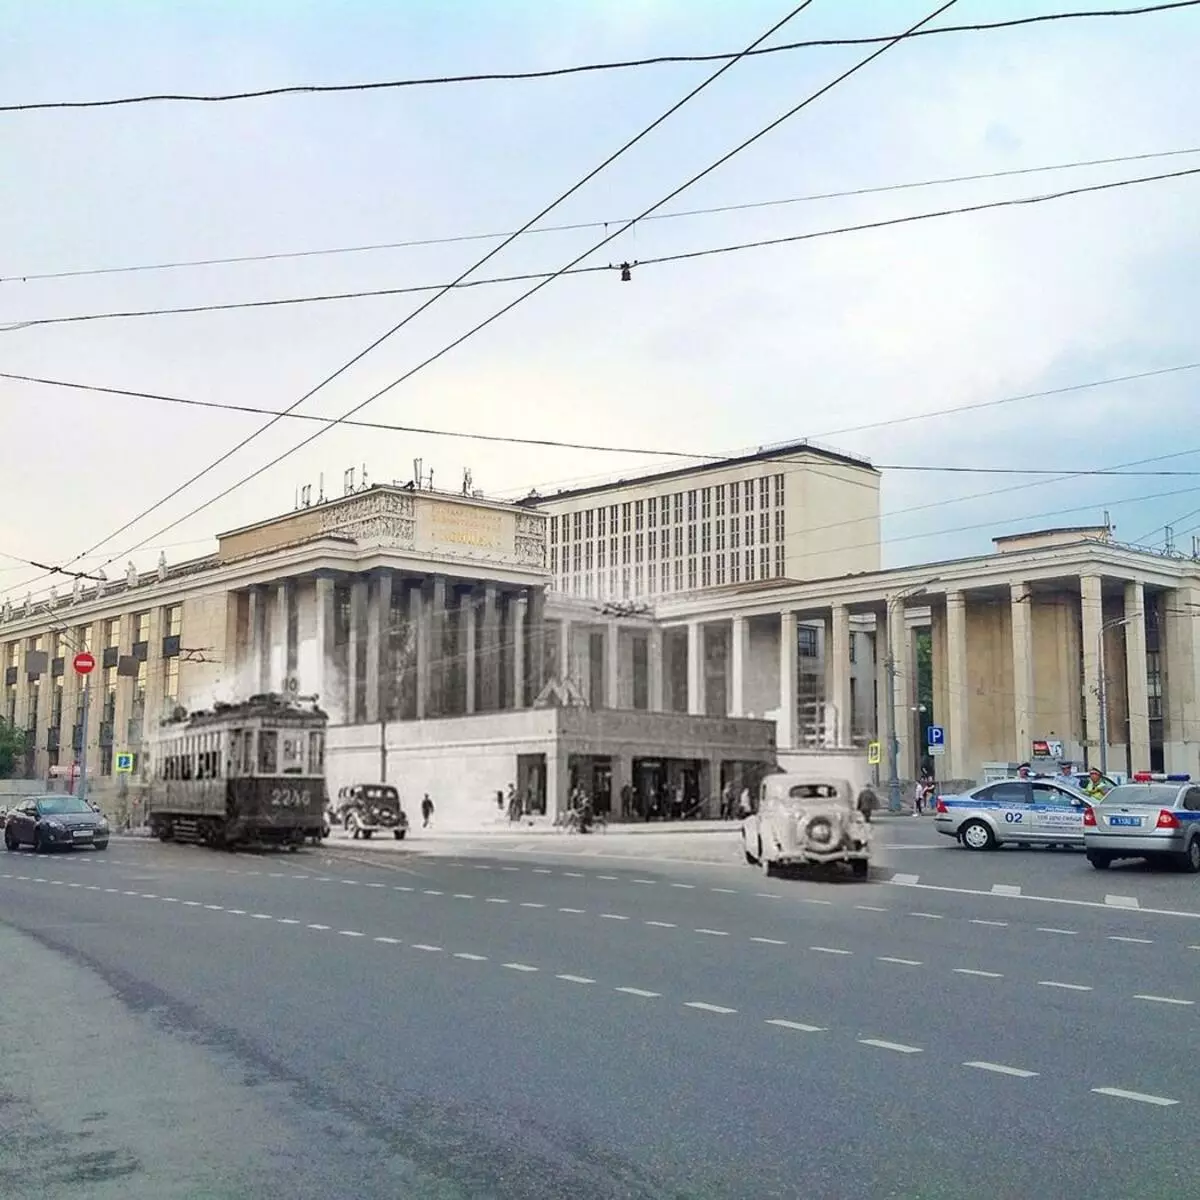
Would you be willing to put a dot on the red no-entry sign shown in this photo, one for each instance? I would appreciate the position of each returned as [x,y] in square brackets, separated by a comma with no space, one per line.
[83,663]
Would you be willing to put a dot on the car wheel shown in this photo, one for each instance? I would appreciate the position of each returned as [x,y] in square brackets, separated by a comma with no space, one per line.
[1189,860]
[765,864]
[367,833]
[352,827]
[977,836]
[1099,860]
[101,845]
[39,846]
[398,834]
[859,868]
[10,841]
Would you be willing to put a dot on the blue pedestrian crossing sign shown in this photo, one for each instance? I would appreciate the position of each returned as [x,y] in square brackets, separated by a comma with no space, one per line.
[937,739]
[124,762]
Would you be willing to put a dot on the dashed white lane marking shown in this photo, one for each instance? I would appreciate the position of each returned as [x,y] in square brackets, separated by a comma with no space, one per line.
[1121,901]
[612,917]
[472,957]
[798,1026]
[388,941]
[374,885]
[686,886]
[110,891]
[643,881]
[575,978]
[607,878]
[1163,999]
[262,917]
[516,966]
[1052,929]
[215,907]
[712,1008]
[237,912]
[432,892]
[350,933]
[495,900]
[188,903]
[1133,940]
[288,921]
[80,885]
[462,896]
[1005,889]
[571,910]
[1070,987]
[870,908]
[767,895]
[1194,947]
[166,899]
[766,941]
[903,962]
[898,1047]
[928,916]
[321,927]
[483,867]
[401,888]
[123,893]
[1001,1069]
[812,900]
[726,891]
[510,868]
[829,950]
[573,874]
[144,895]
[981,974]
[426,946]
[632,991]
[542,871]
[980,921]
[1141,1097]
[531,904]
[713,932]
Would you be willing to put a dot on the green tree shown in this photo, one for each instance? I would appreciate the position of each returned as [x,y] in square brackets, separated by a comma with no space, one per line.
[12,747]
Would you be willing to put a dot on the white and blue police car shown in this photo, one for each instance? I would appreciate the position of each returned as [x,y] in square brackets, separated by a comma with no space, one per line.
[1022,812]
[1156,817]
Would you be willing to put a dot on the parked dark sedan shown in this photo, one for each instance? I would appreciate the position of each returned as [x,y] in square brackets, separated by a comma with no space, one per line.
[47,822]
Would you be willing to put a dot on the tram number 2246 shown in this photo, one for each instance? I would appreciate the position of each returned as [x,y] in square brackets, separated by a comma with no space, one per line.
[282,797]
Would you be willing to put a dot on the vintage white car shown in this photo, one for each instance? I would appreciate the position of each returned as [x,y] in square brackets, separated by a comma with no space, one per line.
[802,820]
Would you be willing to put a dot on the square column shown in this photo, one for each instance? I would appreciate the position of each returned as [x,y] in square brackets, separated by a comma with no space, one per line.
[438,681]
[565,639]
[489,698]
[785,728]
[280,609]
[1136,683]
[260,662]
[518,608]
[356,656]
[537,644]
[378,667]
[612,665]
[418,649]
[326,676]
[739,652]
[695,668]
[901,647]
[466,647]
[957,688]
[1090,619]
[1181,702]
[840,668]
[1021,609]
[654,669]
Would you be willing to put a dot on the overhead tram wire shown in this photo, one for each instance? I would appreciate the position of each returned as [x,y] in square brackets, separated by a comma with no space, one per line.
[606,448]
[586,68]
[547,276]
[813,96]
[715,210]
[443,291]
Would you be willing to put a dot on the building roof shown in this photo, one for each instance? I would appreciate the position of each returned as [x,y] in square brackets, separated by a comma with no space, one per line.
[762,454]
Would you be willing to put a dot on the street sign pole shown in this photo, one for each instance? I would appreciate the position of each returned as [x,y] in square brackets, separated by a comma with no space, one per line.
[83,730]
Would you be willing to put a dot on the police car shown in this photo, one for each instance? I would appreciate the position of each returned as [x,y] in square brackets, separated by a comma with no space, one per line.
[1023,812]
[1155,817]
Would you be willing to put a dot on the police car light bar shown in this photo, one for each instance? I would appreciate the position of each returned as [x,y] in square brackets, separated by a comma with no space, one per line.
[1148,777]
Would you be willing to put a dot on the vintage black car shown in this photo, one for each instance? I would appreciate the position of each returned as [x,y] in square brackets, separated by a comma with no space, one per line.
[54,822]
[365,808]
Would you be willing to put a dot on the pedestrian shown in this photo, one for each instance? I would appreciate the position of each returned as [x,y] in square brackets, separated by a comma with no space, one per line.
[1095,787]
[1024,771]
[426,810]
[500,799]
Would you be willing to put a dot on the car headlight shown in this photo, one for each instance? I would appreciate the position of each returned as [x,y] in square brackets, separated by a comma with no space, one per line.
[103,824]
[55,826]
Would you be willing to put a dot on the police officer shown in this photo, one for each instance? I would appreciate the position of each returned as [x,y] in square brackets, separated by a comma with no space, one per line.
[1095,786]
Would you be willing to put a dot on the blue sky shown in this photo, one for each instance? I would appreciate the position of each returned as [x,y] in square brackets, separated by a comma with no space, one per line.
[709,356]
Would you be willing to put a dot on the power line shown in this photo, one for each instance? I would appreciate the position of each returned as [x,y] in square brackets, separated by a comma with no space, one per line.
[850,193]
[29,562]
[558,72]
[353,411]
[660,260]
[646,131]
[608,448]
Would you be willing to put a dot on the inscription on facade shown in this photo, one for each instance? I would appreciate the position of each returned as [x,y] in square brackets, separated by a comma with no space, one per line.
[458,525]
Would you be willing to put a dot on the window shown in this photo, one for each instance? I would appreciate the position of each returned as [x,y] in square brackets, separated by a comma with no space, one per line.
[1154,684]
[553,559]
[612,520]
[638,547]
[735,533]
[706,571]
[651,545]
[764,492]
[268,751]
[173,620]
[705,537]
[807,643]
[624,548]
[1191,800]
[139,684]
[764,562]
[601,531]
[639,514]
[778,491]
[764,528]
[691,575]
[106,761]
[554,531]
[705,503]
[1047,793]
[57,645]
[678,508]
[749,566]
[853,645]
[678,574]
[625,583]
[576,526]
[720,534]
[141,627]
[778,526]
[600,548]
[748,529]
[691,505]
[316,753]
[652,511]
[779,565]
[612,578]
[589,555]
[720,570]
[664,576]
[612,551]
[35,689]
[589,521]
[112,633]
[748,494]
[720,499]
[295,751]
[691,539]
[678,540]
[625,516]
[170,684]
[575,555]
[637,581]
[109,692]
[1007,791]
[735,568]
[734,499]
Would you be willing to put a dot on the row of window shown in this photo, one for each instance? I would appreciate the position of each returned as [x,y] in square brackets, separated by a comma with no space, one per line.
[241,753]
[635,516]
[681,575]
[63,645]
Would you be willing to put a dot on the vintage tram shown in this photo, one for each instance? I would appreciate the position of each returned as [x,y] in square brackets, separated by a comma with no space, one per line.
[241,774]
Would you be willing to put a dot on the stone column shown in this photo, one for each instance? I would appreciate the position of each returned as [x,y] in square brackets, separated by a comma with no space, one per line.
[233,672]
[466,647]
[1181,681]
[1135,677]
[537,643]
[695,669]
[1091,618]
[324,642]
[654,669]
[612,665]
[957,688]
[739,652]
[279,636]
[785,731]
[1021,609]
[901,646]
[565,657]
[489,699]
[378,668]
[557,777]
[260,679]
[883,728]
[355,683]
[518,609]
[840,651]
[438,688]
[418,622]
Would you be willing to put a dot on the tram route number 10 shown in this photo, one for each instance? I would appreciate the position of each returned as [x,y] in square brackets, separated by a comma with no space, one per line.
[289,797]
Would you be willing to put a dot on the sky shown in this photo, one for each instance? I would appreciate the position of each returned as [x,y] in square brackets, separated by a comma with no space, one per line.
[718,354]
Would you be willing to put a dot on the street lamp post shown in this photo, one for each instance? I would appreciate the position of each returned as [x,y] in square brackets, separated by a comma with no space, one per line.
[895,802]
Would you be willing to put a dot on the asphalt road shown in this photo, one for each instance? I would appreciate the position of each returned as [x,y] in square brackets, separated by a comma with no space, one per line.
[353,1022]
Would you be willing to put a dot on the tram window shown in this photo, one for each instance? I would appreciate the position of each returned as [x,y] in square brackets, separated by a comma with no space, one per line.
[316,753]
[292,762]
[247,752]
[268,752]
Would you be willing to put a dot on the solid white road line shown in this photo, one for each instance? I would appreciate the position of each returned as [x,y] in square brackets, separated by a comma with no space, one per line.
[904,962]
[829,950]
[798,1026]
[1070,987]
[899,1047]
[1163,999]
[712,1008]
[1001,1069]
[1142,1097]
[632,991]
[981,974]
[904,879]
[575,978]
